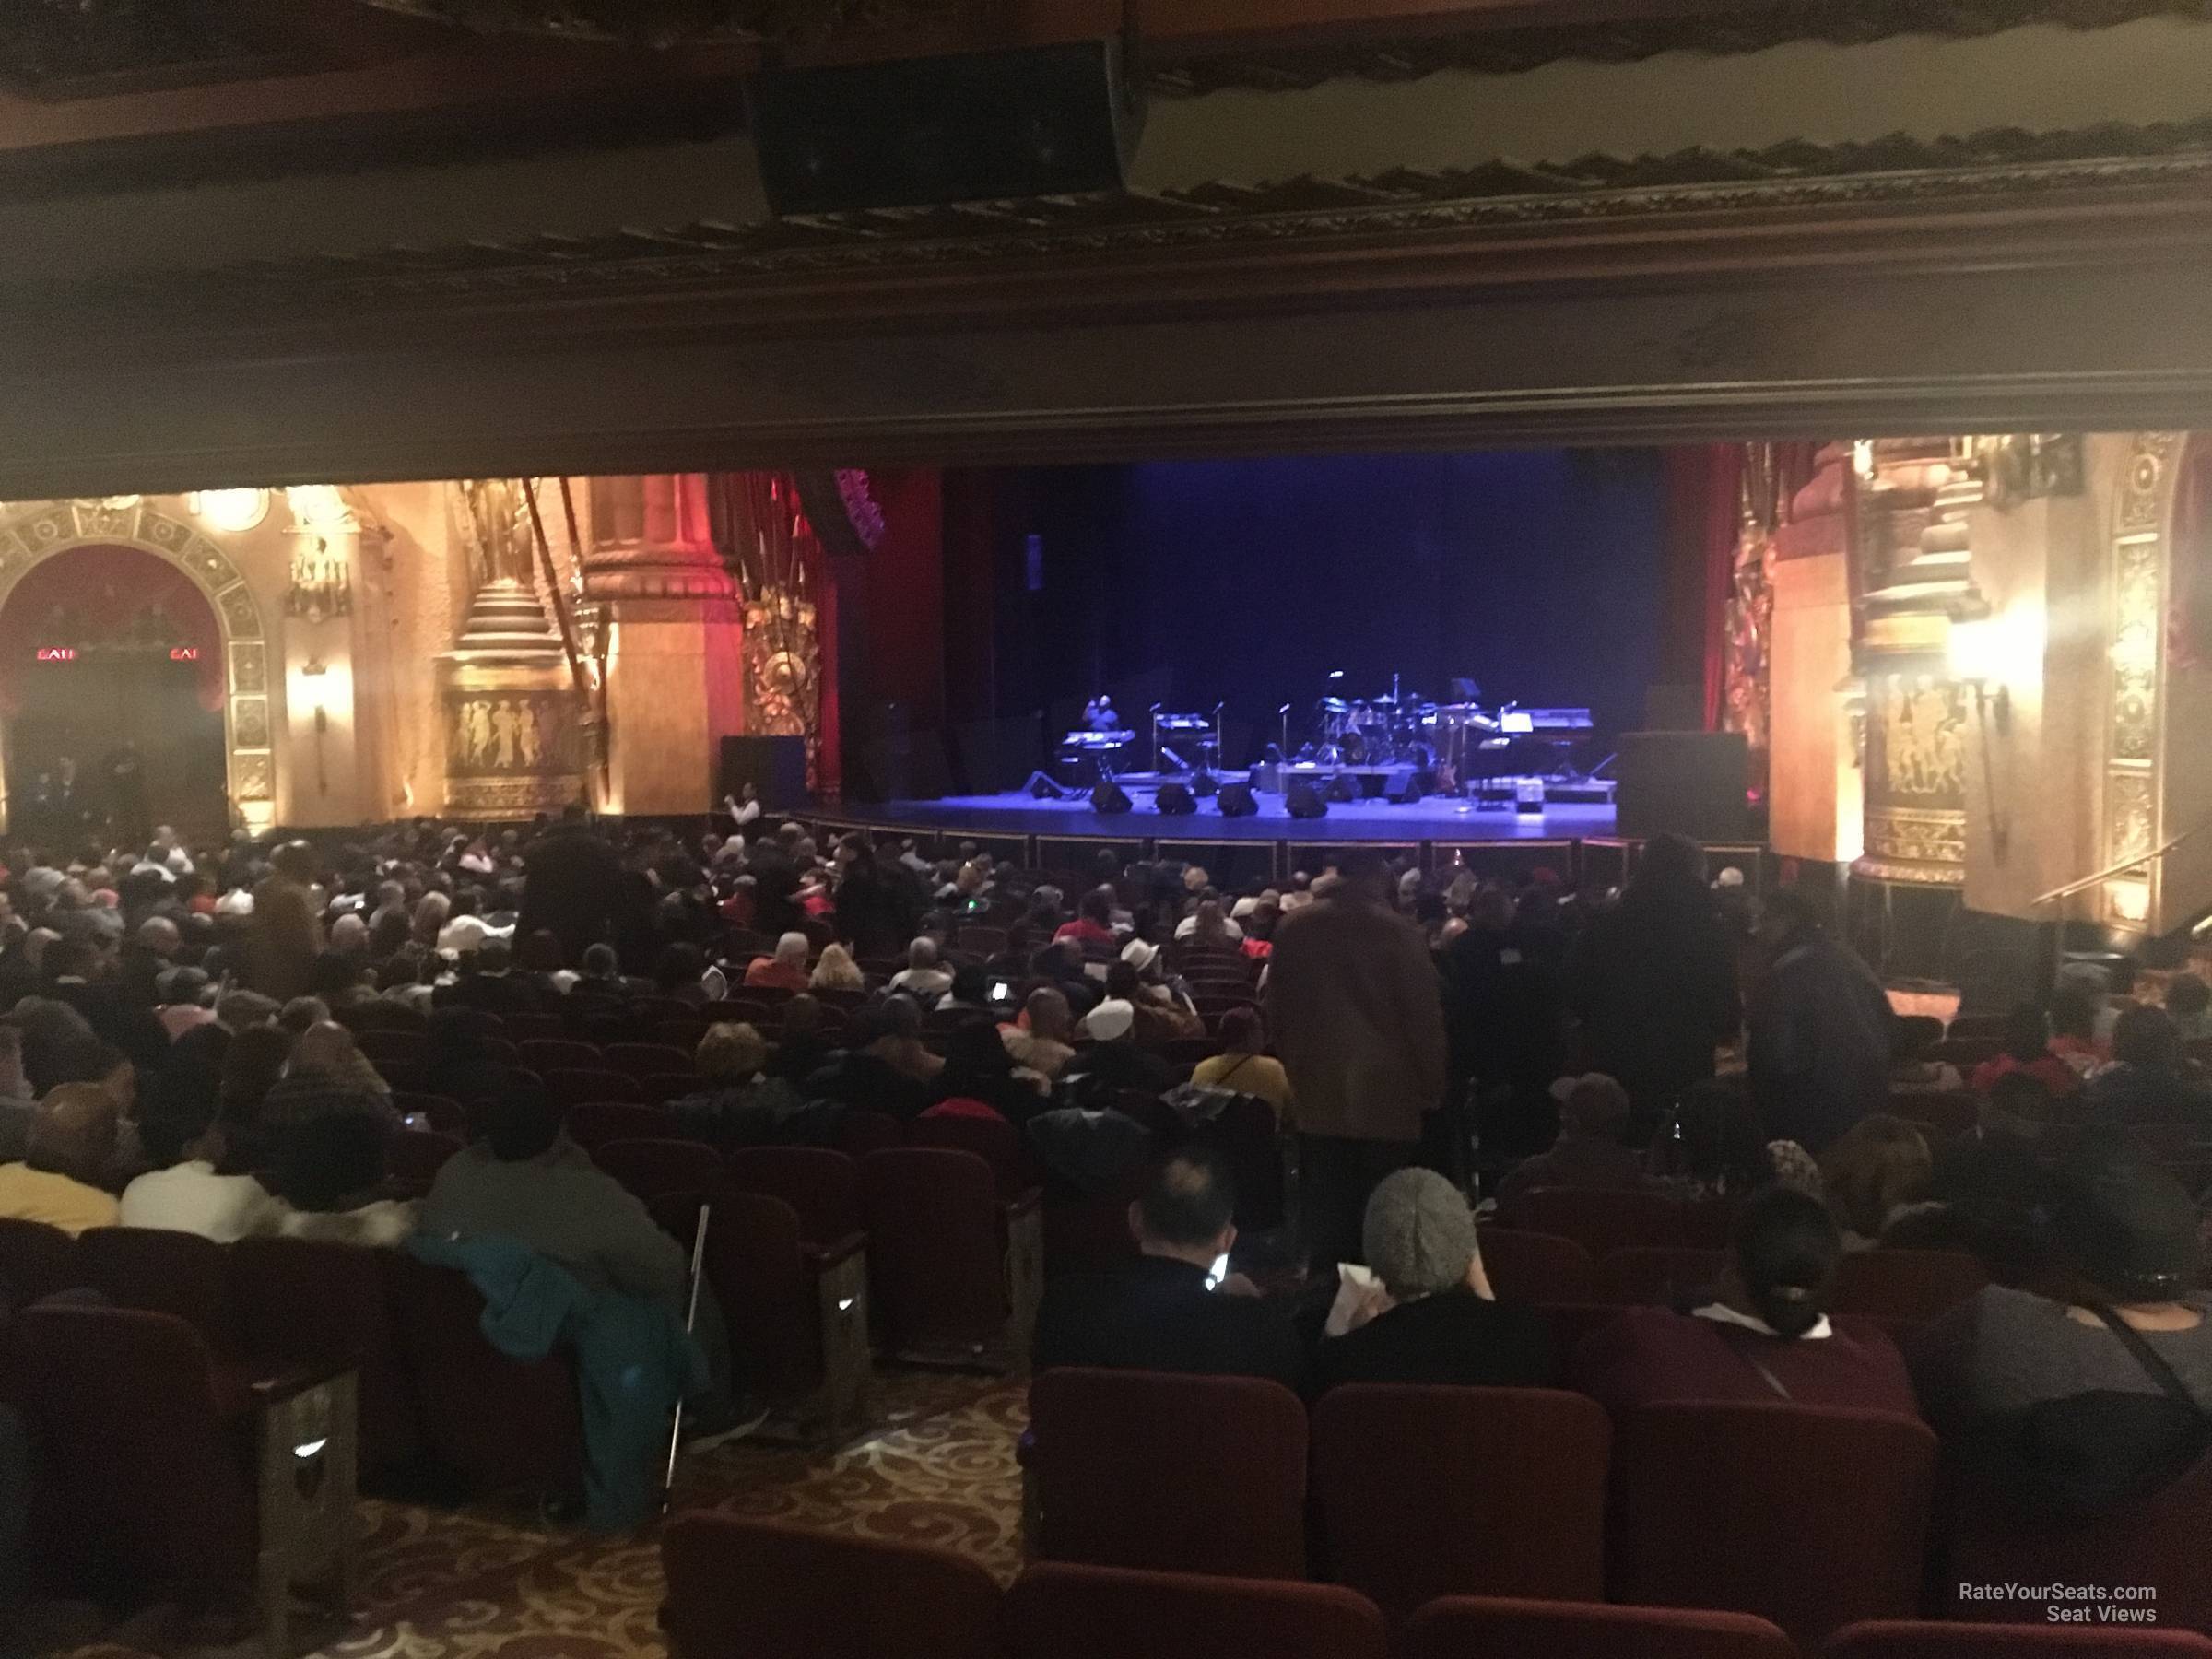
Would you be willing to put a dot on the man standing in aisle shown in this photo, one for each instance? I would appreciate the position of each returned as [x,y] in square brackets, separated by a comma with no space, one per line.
[1353,1000]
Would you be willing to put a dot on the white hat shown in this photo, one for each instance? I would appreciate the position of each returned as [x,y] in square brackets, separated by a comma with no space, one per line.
[1139,954]
[1242,908]
[1111,1020]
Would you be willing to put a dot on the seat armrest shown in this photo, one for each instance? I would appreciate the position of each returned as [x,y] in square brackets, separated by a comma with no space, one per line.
[274,1390]
[1025,1204]
[821,1257]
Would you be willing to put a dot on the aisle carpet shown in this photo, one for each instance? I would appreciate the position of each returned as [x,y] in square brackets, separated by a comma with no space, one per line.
[937,1468]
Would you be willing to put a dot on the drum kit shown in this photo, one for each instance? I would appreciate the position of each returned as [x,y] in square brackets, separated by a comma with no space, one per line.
[1395,728]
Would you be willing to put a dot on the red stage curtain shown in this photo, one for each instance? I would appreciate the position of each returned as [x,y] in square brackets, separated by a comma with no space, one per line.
[93,596]
[1704,487]
[2191,633]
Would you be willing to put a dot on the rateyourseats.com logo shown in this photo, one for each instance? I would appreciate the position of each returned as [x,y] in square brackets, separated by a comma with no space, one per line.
[2073,1604]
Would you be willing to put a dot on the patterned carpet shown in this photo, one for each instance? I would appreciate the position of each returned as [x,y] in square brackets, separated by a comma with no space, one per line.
[938,1468]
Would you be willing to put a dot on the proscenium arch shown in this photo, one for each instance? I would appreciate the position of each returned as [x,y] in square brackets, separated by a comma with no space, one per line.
[30,539]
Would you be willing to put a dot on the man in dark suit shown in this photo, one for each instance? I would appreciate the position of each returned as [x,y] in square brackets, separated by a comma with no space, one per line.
[572,879]
[1158,1314]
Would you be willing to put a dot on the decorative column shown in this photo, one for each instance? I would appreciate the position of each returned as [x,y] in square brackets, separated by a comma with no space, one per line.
[1815,806]
[513,720]
[321,770]
[674,633]
[1911,582]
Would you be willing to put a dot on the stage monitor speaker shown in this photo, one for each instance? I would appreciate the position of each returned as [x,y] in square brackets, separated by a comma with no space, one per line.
[1174,800]
[1237,800]
[1683,783]
[1107,797]
[1341,788]
[1205,783]
[1038,121]
[774,765]
[1043,789]
[1301,800]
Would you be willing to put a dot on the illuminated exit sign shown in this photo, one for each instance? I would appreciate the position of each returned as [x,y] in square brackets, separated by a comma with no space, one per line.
[57,654]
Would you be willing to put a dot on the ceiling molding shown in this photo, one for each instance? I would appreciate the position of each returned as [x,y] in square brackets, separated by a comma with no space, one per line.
[1723,31]
[1998,170]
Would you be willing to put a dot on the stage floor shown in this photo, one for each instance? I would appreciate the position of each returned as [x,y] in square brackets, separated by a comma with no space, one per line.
[1382,823]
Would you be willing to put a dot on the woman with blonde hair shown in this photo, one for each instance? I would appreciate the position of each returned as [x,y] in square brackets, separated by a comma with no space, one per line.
[836,971]
[1879,1167]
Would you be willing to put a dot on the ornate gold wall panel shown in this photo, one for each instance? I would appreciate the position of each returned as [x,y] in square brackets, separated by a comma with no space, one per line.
[57,527]
[2131,820]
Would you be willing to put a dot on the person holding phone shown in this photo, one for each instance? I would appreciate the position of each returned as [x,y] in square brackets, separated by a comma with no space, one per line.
[1174,1308]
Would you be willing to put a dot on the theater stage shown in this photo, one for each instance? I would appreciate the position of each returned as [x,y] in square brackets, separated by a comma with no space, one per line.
[1378,822]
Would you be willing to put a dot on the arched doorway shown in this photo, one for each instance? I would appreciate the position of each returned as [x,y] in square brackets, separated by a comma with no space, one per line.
[105,649]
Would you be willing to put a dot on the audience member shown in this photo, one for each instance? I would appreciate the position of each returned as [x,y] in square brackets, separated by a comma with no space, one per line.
[183,1141]
[2146,1082]
[1502,1007]
[1820,1027]
[1245,1067]
[736,1105]
[2027,1051]
[1354,1003]
[1433,1318]
[835,970]
[1040,1040]
[922,976]
[785,970]
[72,1141]
[2075,1009]
[2189,1005]
[1163,1313]
[2023,1385]
[1872,1174]
[286,929]
[1654,981]
[1590,1153]
[1764,1334]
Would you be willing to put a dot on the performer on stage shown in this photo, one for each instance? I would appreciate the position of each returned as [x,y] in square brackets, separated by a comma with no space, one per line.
[1099,714]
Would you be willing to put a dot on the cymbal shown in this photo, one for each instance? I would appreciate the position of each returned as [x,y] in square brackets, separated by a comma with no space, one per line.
[1387,701]
[1333,705]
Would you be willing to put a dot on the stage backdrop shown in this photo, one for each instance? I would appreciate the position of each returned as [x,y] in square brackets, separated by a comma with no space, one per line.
[1538,574]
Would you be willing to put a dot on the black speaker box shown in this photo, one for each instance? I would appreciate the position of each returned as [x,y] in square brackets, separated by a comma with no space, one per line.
[1683,783]
[1205,783]
[774,765]
[1108,797]
[1175,800]
[1301,800]
[1238,801]
[968,126]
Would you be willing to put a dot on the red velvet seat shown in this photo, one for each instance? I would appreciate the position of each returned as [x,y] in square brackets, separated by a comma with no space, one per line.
[653,1168]
[1470,1627]
[498,1423]
[991,1138]
[314,1305]
[1063,1611]
[562,1054]
[771,1592]
[823,1186]
[860,1132]
[803,1309]
[35,1260]
[954,1268]
[1571,1322]
[385,1044]
[157,1270]
[1601,1222]
[664,1088]
[648,1059]
[1539,1268]
[1906,1287]
[417,1155]
[1907,1639]
[157,1484]
[1089,1232]
[1809,1517]
[1461,1491]
[2164,1541]
[1183,1473]
[143,1491]
[574,1088]
[595,1122]
[1658,1275]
